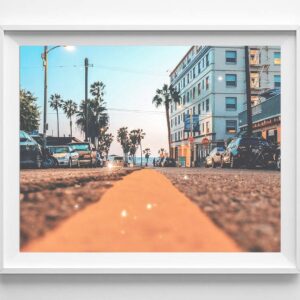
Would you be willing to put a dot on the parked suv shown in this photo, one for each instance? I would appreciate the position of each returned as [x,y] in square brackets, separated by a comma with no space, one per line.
[65,155]
[30,151]
[214,157]
[87,153]
[248,151]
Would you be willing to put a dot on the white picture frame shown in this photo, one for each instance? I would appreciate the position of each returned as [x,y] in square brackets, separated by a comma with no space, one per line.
[12,261]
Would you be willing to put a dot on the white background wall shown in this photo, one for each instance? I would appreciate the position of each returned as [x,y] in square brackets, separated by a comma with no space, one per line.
[219,287]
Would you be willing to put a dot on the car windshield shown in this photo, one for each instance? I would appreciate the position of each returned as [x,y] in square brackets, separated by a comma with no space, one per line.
[59,149]
[81,147]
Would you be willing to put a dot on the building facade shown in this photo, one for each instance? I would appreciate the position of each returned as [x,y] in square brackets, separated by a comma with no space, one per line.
[212,85]
[266,117]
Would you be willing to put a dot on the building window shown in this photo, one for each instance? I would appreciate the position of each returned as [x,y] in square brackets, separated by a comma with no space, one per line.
[199,109]
[188,78]
[178,120]
[187,97]
[230,103]
[254,80]
[194,92]
[203,106]
[194,72]
[183,82]
[199,88]
[175,121]
[230,56]
[171,123]
[207,104]
[277,81]
[231,126]
[203,127]
[230,80]
[199,68]
[254,58]
[207,127]
[183,100]
[207,83]
[207,60]
[194,110]
[277,58]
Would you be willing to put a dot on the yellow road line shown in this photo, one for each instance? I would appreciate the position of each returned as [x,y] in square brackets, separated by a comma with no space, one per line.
[143,212]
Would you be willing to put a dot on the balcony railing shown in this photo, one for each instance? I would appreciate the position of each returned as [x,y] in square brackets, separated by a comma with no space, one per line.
[262,111]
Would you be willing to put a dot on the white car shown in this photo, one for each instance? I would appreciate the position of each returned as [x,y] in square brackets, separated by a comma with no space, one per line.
[65,155]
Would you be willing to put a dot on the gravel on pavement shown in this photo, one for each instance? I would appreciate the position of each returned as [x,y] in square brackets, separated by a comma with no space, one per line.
[50,195]
[244,203]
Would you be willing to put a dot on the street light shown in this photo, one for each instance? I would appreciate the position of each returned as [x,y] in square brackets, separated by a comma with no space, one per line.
[45,65]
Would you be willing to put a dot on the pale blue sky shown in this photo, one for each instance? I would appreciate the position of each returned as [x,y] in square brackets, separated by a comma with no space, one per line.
[131,75]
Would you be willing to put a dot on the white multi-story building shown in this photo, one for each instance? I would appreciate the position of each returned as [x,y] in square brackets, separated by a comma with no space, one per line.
[212,85]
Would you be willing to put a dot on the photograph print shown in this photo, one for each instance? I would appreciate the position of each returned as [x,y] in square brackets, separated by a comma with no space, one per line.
[150,148]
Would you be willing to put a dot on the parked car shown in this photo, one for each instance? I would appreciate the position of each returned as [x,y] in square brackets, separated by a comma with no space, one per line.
[65,156]
[87,153]
[248,151]
[115,161]
[168,162]
[214,157]
[30,151]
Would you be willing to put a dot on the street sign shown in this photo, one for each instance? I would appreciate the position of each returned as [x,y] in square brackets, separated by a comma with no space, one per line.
[195,123]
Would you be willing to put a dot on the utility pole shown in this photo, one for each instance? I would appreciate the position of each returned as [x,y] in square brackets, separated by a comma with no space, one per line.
[248,92]
[45,64]
[191,138]
[86,68]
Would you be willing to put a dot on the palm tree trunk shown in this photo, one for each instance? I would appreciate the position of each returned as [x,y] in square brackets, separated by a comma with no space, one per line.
[141,154]
[169,128]
[71,127]
[57,123]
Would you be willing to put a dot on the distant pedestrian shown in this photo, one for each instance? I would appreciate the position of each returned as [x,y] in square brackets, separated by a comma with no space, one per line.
[153,162]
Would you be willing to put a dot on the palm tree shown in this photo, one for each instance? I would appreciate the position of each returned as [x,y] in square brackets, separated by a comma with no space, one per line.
[166,96]
[70,109]
[123,139]
[96,112]
[56,102]
[147,153]
[105,140]
[140,135]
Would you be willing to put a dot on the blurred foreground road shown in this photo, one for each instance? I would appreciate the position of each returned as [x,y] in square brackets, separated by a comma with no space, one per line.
[145,211]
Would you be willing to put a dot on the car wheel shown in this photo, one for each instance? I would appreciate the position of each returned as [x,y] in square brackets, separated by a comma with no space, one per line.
[233,163]
[222,163]
[213,165]
[38,162]
[278,163]
[70,163]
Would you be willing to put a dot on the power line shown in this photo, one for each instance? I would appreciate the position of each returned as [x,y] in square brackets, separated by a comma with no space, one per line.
[124,110]
[110,68]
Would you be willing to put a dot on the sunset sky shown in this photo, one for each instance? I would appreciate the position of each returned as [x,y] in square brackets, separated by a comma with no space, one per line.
[131,75]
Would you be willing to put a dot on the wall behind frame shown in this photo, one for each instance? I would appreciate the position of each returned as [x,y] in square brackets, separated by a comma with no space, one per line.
[136,287]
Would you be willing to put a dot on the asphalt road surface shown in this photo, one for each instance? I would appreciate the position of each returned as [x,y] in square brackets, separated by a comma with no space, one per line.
[244,203]
[239,210]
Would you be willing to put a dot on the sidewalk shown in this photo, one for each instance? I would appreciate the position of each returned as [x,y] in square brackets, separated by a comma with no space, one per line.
[143,212]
